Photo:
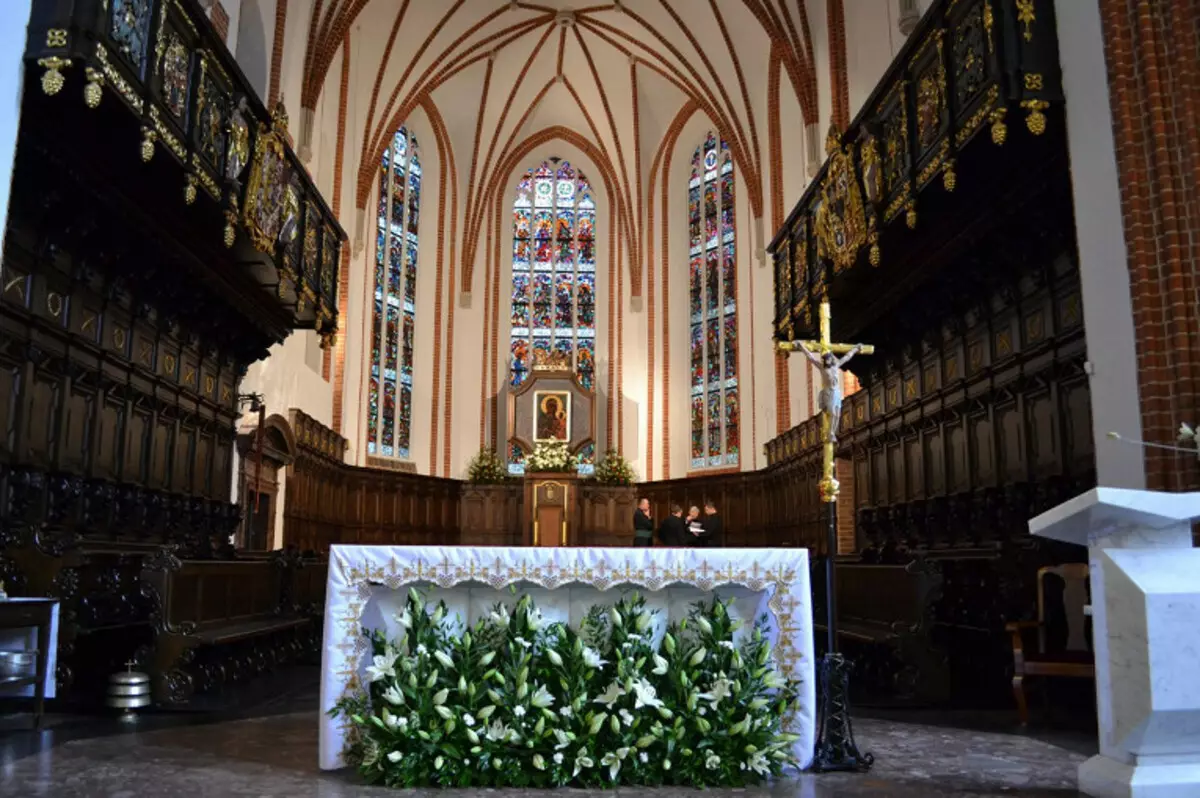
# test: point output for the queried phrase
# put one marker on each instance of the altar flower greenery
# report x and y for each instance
(549, 456)
(516, 701)
(487, 468)
(614, 470)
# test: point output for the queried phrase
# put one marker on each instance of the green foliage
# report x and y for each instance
(516, 701)
(487, 468)
(614, 470)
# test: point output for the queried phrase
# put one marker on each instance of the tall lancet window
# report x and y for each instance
(389, 394)
(554, 272)
(716, 411)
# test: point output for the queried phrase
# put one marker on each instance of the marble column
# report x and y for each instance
(1145, 579)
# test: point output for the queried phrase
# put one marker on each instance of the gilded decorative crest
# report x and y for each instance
(263, 212)
(841, 223)
(551, 360)
(174, 72)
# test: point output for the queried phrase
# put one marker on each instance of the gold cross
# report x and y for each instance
(829, 483)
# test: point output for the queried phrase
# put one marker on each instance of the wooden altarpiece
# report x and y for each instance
(552, 405)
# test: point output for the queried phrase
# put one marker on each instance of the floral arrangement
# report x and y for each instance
(486, 468)
(515, 701)
(549, 456)
(614, 470)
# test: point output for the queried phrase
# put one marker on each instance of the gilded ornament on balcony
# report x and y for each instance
(52, 78)
(189, 189)
(841, 223)
(910, 218)
(949, 178)
(999, 128)
(1036, 121)
(93, 91)
(231, 218)
(265, 190)
(148, 138)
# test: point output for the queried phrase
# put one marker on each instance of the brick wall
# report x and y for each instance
(1153, 56)
(220, 21)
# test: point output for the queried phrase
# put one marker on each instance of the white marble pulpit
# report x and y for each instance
(1145, 579)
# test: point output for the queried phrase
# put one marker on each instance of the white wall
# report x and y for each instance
(252, 40)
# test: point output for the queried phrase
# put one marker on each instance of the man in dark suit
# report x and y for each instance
(673, 531)
(714, 527)
(643, 525)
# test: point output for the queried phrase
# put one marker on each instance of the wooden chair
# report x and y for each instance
(1063, 634)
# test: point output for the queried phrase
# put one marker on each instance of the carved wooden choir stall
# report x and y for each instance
(162, 235)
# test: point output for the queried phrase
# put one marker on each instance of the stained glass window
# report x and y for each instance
(393, 319)
(712, 284)
(554, 272)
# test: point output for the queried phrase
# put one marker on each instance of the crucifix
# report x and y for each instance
(836, 749)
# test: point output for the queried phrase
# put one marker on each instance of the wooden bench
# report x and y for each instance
(218, 621)
(885, 621)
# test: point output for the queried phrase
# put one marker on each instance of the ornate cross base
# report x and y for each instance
(836, 749)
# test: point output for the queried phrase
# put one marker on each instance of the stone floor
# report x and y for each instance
(272, 751)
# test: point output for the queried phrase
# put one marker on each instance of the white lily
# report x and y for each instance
(498, 732)
(712, 762)
(394, 757)
(500, 617)
(535, 620)
(421, 649)
(405, 619)
(562, 738)
(626, 717)
(541, 697)
(758, 763)
(721, 689)
(444, 659)
(660, 666)
(611, 694)
(519, 711)
(468, 719)
(647, 696)
(558, 758)
(382, 665)
(726, 644)
(393, 696)
(774, 680)
(591, 658)
(613, 761)
(582, 760)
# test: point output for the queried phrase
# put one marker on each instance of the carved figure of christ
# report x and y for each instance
(824, 355)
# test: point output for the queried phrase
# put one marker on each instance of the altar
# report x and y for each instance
(367, 587)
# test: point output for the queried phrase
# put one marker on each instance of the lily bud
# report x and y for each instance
(412, 680)
(522, 691)
(615, 724)
(665, 713)
(486, 659)
(540, 727)
(704, 625)
(462, 684)
(472, 736)
(438, 614)
(432, 680)
(554, 657)
(424, 735)
(522, 675)
(669, 643)
(697, 656)
(492, 694)
(444, 659)
(437, 763)
(616, 618)
(470, 691)
(597, 722)
(645, 742)
(466, 639)
(440, 696)
(486, 712)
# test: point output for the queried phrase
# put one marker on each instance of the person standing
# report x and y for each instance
(673, 531)
(643, 524)
(714, 527)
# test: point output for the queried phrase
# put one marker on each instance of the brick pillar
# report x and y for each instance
(846, 508)
(220, 21)
(1152, 52)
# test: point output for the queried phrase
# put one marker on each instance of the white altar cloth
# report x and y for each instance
(367, 586)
